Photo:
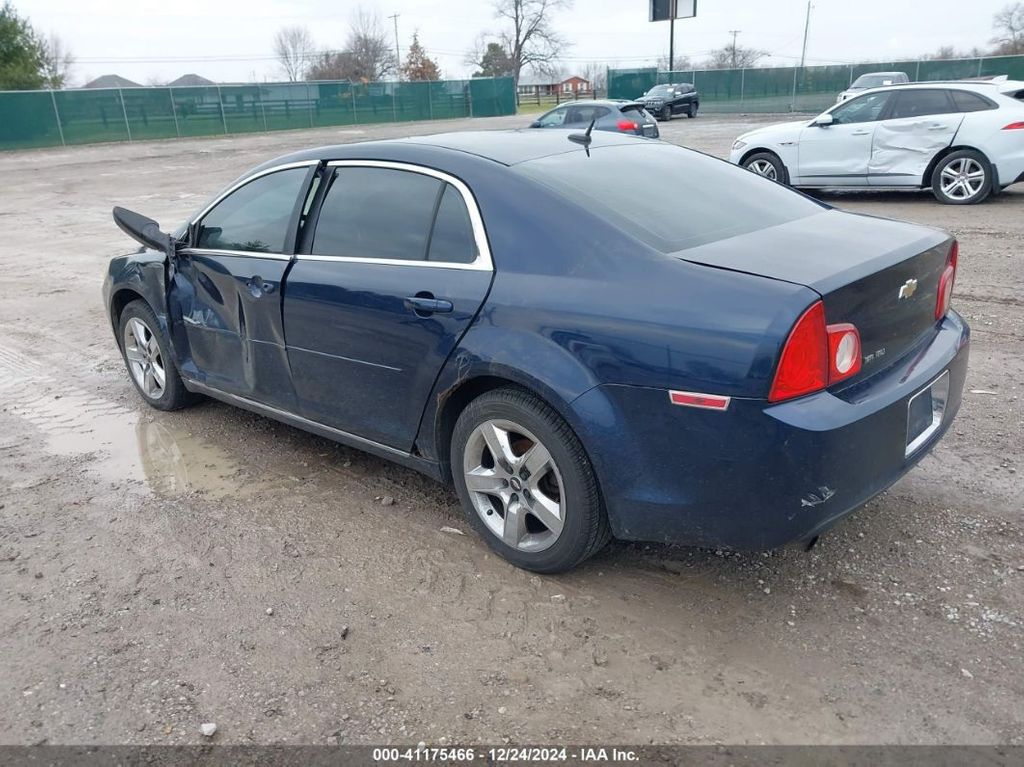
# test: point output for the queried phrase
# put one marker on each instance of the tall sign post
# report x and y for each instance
(670, 10)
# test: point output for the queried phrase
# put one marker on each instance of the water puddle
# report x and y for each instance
(143, 450)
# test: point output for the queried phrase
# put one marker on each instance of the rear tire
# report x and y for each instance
(963, 177)
(147, 355)
(665, 114)
(768, 165)
(533, 495)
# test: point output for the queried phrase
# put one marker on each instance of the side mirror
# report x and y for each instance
(535, 124)
(143, 230)
(823, 121)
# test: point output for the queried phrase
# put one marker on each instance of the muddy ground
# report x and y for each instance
(158, 571)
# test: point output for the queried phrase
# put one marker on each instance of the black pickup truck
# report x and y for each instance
(664, 101)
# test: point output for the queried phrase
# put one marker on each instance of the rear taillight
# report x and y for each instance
(627, 125)
(815, 355)
(1014, 126)
(944, 297)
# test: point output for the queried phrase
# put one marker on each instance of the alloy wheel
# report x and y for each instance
(763, 168)
(962, 179)
(514, 485)
(145, 360)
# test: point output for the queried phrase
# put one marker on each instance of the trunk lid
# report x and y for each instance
(880, 275)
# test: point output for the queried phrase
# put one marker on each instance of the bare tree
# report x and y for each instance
(734, 56)
(679, 63)
(369, 53)
(57, 62)
(1009, 27)
(596, 73)
(529, 39)
(294, 49)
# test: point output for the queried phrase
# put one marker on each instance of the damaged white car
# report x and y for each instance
(963, 140)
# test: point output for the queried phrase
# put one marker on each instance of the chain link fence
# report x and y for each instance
(86, 116)
(798, 89)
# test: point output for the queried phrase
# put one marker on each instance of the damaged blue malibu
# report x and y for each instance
(596, 337)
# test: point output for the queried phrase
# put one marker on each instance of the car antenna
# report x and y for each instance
(584, 138)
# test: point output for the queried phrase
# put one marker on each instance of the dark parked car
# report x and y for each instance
(618, 116)
(622, 338)
(666, 101)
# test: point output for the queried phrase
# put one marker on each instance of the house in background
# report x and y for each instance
(546, 85)
(111, 81)
(190, 81)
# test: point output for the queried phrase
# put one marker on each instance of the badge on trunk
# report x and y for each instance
(908, 288)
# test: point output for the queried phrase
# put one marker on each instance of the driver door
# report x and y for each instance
(226, 295)
(839, 154)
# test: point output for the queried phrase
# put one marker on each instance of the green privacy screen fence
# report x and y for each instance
(86, 116)
(798, 89)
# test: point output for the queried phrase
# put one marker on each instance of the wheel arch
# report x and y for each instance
(765, 150)
(119, 300)
(926, 179)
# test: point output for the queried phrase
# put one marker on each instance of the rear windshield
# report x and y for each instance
(668, 197)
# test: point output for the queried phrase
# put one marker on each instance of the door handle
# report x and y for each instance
(424, 304)
(938, 127)
(860, 133)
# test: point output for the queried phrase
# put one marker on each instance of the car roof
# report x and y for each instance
(506, 147)
(984, 86)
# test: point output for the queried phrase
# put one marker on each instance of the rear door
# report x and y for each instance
(839, 154)
(392, 275)
(918, 124)
(227, 289)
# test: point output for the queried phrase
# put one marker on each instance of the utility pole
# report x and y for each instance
(803, 56)
(398, 55)
(671, 35)
(734, 33)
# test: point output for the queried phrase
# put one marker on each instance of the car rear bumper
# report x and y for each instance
(757, 476)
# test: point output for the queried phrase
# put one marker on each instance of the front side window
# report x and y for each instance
(553, 118)
(377, 213)
(863, 109)
(918, 103)
(254, 217)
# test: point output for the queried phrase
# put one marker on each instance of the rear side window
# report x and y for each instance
(377, 213)
(452, 239)
(966, 101)
(917, 103)
(584, 114)
(668, 197)
(254, 217)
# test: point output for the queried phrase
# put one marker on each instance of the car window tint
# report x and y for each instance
(920, 102)
(376, 213)
(452, 239)
(668, 197)
(863, 109)
(970, 102)
(584, 114)
(552, 118)
(254, 217)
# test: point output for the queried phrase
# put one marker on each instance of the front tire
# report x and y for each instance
(963, 177)
(147, 355)
(691, 111)
(665, 114)
(768, 165)
(525, 482)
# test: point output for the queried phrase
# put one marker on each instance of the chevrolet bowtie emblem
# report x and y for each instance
(908, 288)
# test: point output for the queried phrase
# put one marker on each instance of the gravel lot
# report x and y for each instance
(159, 571)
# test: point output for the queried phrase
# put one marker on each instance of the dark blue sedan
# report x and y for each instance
(596, 337)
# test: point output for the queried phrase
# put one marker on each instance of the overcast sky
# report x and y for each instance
(231, 40)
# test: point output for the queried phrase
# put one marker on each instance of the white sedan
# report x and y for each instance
(963, 140)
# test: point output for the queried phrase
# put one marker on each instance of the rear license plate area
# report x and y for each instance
(649, 130)
(925, 411)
